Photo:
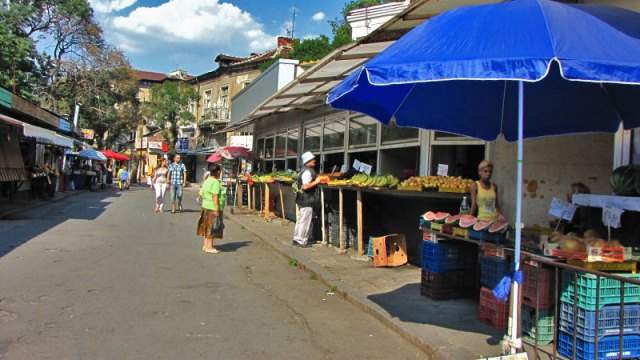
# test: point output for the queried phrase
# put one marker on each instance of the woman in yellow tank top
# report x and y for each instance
(484, 195)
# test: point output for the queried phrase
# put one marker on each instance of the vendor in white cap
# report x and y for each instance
(306, 198)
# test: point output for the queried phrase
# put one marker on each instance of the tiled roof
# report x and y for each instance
(267, 55)
(149, 75)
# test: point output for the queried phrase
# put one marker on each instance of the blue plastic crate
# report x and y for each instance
(370, 247)
(450, 255)
(609, 290)
(608, 347)
(492, 269)
(496, 238)
(608, 321)
(424, 224)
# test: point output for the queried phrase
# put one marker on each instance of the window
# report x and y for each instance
(312, 135)
(333, 135)
(292, 145)
(260, 148)
(192, 107)
(281, 145)
(268, 148)
(390, 135)
(362, 131)
(207, 99)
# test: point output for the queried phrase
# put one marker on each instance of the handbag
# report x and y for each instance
(218, 225)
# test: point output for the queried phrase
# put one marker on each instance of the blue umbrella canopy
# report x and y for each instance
(92, 154)
(576, 62)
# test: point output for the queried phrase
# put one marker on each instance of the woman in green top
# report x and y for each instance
(212, 207)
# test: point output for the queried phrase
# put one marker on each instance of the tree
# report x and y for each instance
(168, 106)
(311, 49)
(339, 27)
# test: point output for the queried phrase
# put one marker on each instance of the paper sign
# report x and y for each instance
(443, 169)
(611, 216)
(562, 209)
(365, 168)
(343, 169)
(356, 164)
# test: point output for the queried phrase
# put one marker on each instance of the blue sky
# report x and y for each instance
(188, 34)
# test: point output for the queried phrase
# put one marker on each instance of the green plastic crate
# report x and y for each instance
(609, 290)
(544, 328)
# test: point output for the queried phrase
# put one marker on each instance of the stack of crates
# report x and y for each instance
(447, 269)
(581, 304)
(538, 298)
(491, 310)
(492, 270)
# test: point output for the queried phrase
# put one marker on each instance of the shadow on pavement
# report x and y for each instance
(29, 223)
(233, 246)
(406, 304)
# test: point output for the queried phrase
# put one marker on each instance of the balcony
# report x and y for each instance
(213, 116)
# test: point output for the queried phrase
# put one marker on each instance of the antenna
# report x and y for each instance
(293, 22)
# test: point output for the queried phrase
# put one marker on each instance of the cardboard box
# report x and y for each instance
(609, 254)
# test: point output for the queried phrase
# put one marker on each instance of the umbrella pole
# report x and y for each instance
(516, 342)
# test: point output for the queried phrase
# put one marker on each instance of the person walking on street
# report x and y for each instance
(212, 207)
(177, 180)
(306, 198)
(159, 182)
(123, 176)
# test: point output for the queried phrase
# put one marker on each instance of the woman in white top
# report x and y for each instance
(159, 182)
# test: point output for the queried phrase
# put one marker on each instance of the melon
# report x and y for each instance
(482, 225)
(467, 221)
(591, 234)
(498, 227)
(572, 245)
(556, 236)
(598, 242)
(623, 180)
(614, 243)
(429, 216)
(453, 220)
(441, 216)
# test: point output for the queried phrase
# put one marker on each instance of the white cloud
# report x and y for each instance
(319, 16)
(108, 6)
(199, 28)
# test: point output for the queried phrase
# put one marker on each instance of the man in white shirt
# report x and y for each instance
(306, 198)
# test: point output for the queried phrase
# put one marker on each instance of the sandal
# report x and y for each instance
(212, 251)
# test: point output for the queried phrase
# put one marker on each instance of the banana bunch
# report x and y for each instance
(375, 181)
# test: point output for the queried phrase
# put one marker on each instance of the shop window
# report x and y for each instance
(367, 157)
(268, 148)
(332, 162)
(333, 135)
(292, 145)
(461, 160)
(402, 162)
(363, 131)
(260, 148)
(279, 165)
(391, 135)
(312, 134)
(281, 146)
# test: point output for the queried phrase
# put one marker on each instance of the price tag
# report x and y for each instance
(611, 216)
(356, 164)
(562, 209)
(365, 168)
(443, 170)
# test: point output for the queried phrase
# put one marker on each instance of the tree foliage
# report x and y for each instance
(168, 107)
(311, 49)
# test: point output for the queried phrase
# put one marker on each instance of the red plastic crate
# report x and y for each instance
(493, 311)
(533, 282)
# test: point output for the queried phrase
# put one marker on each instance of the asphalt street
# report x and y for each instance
(101, 276)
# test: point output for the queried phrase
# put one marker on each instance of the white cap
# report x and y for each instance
(308, 156)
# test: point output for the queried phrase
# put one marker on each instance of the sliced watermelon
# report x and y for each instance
(498, 227)
(481, 225)
(453, 220)
(429, 216)
(467, 221)
(441, 216)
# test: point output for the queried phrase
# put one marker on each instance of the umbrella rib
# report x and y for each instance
(402, 102)
(504, 101)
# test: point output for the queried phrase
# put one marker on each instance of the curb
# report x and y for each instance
(433, 350)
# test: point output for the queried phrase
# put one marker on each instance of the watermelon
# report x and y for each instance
(467, 221)
(441, 216)
(453, 220)
(623, 180)
(498, 227)
(481, 225)
(429, 216)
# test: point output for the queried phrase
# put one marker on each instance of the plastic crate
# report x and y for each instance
(451, 255)
(532, 283)
(609, 290)
(492, 269)
(424, 224)
(608, 347)
(493, 311)
(496, 238)
(454, 284)
(544, 327)
(608, 321)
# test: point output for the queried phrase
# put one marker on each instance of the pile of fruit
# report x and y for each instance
(442, 183)
(365, 180)
(573, 242)
(625, 180)
(275, 176)
(466, 221)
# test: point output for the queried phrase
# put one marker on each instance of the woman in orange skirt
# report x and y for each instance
(212, 207)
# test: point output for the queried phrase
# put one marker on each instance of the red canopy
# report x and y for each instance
(215, 157)
(114, 155)
(232, 152)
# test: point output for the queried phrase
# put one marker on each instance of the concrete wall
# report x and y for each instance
(550, 166)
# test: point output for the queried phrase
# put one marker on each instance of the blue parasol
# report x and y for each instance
(92, 154)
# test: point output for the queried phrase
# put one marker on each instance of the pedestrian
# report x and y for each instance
(484, 195)
(159, 182)
(68, 185)
(103, 171)
(109, 174)
(212, 207)
(177, 180)
(306, 198)
(123, 176)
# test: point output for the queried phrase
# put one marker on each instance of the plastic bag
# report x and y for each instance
(218, 225)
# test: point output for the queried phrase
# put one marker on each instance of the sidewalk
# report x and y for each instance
(447, 329)
(22, 202)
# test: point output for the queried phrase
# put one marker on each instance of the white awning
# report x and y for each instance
(40, 134)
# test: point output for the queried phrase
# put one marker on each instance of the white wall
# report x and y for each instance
(550, 165)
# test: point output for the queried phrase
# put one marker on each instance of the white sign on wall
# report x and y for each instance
(244, 141)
